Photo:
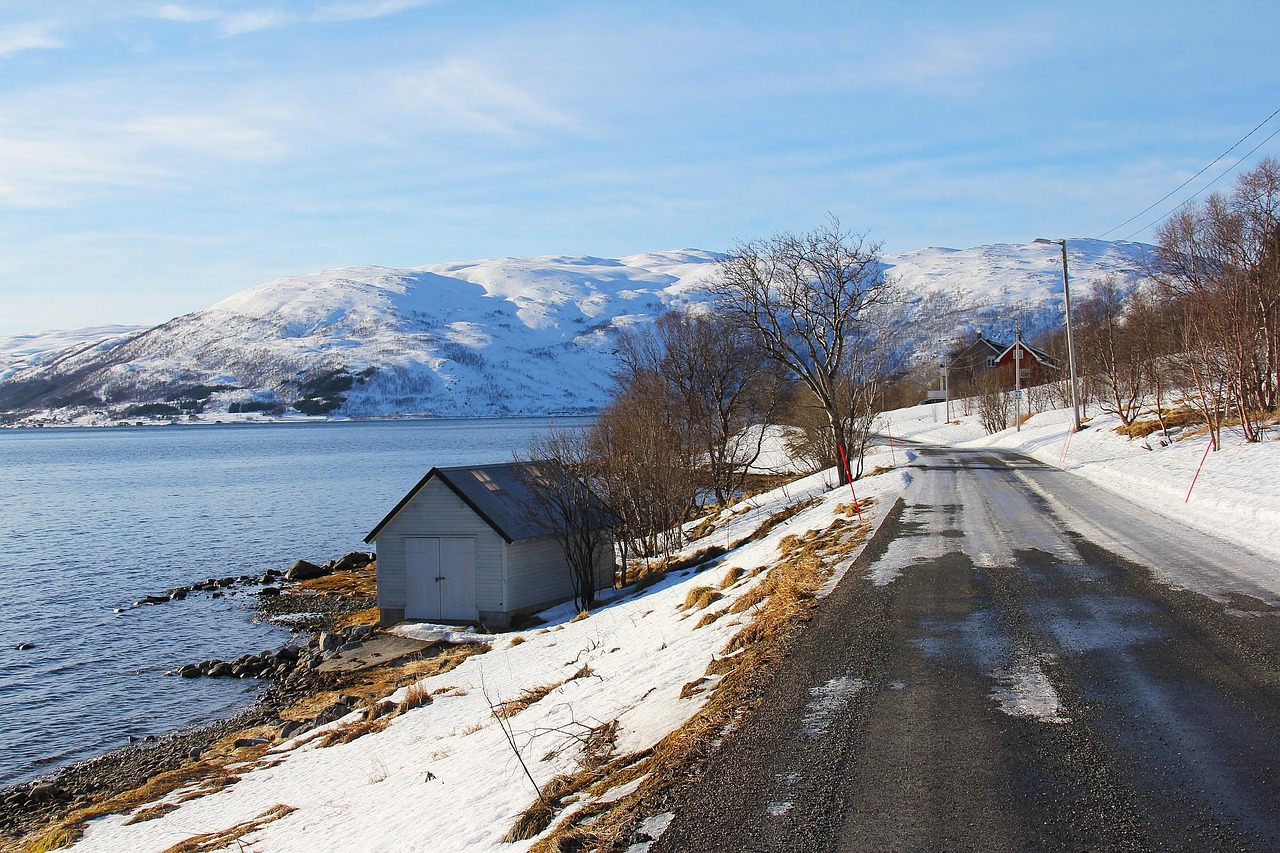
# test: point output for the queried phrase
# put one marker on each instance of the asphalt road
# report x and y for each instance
(1001, 671)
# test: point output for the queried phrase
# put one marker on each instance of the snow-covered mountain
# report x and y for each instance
(498, 337)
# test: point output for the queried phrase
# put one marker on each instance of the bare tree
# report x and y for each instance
(1221, 261)
(720, 383)
(644, 468)
(1112, 351)
(558, 473)
(805, 297)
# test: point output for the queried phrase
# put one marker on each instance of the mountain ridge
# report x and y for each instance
(496, 337)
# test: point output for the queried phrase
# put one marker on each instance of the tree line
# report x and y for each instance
(793, 333)
(1200, 340)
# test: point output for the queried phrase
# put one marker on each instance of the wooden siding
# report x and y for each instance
(437, 511)
(538, 575)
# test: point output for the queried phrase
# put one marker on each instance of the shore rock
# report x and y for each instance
(302, 570)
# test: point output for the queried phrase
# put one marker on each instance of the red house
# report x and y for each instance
(1035, 366)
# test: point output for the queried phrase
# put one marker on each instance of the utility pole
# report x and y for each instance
(1017, 375)
(1071, 350)
(944, 377)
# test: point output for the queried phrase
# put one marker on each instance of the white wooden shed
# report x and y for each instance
(462, 546)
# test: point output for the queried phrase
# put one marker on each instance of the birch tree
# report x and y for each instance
(808, 299)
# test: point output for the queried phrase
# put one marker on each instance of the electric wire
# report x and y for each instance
(1208, 166)
(1220, 176)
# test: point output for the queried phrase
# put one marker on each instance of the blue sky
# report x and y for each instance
(156, 157)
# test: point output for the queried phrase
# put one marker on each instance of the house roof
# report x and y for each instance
(1036, 353)
(499, 494)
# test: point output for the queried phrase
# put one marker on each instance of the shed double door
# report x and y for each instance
(441, 576)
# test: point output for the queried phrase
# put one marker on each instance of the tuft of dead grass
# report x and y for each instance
(732, 576)
(415, 697)
(708, 618)
(511, 707)
(1182, 416)
(517, 640)
(211, 841)
(700, 597)
(595, 763)
(151, 813)
(351, 731)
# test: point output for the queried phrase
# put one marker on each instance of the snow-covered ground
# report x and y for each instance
(446, 777)
(443, 776)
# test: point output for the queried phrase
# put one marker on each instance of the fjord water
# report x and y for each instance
(92, 520)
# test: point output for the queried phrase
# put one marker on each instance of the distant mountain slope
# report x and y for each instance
(497, 337)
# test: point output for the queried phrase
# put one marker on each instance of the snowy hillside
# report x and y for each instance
(498, 337)
(26, 352)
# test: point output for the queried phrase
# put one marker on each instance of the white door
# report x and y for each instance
(440, 573)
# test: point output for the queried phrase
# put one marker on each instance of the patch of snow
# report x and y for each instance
(828, 700)
(1024, 690)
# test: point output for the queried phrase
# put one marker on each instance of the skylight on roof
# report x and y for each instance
(486, 480)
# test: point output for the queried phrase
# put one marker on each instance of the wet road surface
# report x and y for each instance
(1002, 672)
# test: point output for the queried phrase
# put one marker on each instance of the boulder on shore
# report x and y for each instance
(302, 570)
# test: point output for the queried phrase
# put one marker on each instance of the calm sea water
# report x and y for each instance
(93, 519)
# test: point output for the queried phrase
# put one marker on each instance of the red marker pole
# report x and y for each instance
(892, 455)
(845, 461)
(1198, 467)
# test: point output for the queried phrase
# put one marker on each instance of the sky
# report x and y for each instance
(156, 157)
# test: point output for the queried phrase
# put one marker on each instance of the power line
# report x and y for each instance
(1220, 176)
(1196, 175)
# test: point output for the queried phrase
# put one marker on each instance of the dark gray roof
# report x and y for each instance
(499, 494)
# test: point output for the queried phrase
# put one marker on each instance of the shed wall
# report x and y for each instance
(436, 511)
(537, 574)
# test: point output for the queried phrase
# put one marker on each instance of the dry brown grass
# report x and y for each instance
(582, 614)
(708, 618)
(732, 576)
(211, 774)
(1182, 416)
(700, 597)
(755, 653)
(211, 841)
(151, 813)
(511, 707)
(594, 764)
(705, 527)
(68, 830)
(360, 583)
(415, 697)
(517, 640)
(350, 731)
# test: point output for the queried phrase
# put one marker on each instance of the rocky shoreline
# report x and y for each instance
(293, 668)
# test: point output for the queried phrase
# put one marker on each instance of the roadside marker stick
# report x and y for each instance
(1062, 458)
(1198, 467)
(892, 455)
(845, 460)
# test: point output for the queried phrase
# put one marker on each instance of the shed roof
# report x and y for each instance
(499, 494)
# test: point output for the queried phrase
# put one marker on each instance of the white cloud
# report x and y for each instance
(32, 36)
(227, 22)
(236, 23)
(361, 11)
(203, 134)
(463, 95)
